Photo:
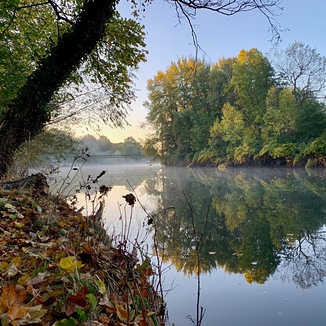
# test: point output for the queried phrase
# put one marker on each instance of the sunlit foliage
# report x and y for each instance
(240, 111)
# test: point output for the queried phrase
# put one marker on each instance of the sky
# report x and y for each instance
(218, 36)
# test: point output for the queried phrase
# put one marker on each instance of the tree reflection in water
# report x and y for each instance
(305, 261)
(259, 223)
(198, 237)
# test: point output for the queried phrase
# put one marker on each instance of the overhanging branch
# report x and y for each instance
(268, 8)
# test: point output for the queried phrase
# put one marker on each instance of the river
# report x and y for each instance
(239, 247)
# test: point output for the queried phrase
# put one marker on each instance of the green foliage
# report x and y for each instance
(315, 152)
(25, 36)
(30, 29)
(235, 112)
(231, 126)
(279, 118)
(252, 78)
(183, 103)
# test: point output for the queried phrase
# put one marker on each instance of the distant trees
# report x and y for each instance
(49, 149)
(102, 145)
(241, 110)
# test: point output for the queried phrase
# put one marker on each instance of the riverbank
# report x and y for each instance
(59, 267)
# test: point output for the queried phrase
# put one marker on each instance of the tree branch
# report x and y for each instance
(58, 12)
(231, 7)
(20, 8)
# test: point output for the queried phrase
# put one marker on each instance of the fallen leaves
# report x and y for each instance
(55, 269)
(123, 314)
(11, 298)
(13, 307)
(70, 264)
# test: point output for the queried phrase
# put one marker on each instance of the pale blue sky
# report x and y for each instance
(219, 36)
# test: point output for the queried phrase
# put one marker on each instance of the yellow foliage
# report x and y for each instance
(70, 264)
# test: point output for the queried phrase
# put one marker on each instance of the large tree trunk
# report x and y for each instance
(27, 114)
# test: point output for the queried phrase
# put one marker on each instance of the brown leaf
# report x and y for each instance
(17, 312)
(10, 296)
(77, 300)
(74, 300)
(122, 313)
(104, 320)
(68, 309)
(110, 307)
(39, 278)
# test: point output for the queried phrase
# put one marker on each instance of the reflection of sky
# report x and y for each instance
(227, 298)
(118, 214)
(124, 179)
(230, 300)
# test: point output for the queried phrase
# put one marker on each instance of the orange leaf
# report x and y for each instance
(10, 296)
(104, 320)
(17, 312)
(122, 313)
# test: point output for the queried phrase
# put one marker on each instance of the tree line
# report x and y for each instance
(52, 148)
(247, 110)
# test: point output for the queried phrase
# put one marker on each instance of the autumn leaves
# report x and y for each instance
(55, 269)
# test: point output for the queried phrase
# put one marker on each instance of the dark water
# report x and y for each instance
(246, 245)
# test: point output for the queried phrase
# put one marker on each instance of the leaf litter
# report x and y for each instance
(59, 267)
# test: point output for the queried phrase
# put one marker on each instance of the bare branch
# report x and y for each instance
(60, 13)
(189, 9)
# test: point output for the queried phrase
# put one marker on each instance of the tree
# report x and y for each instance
(227, 131)
(303, 70)
(79, 32)
(169, 100)
(26, 115)
(252, 78)
(184, 101)
(235, 135)
(131, 147)
(280, 115)
(289, 126)
(89, 36)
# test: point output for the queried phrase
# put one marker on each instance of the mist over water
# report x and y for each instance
(262, 248)
(123, 176)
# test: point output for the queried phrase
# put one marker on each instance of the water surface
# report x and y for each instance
(246, 245)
